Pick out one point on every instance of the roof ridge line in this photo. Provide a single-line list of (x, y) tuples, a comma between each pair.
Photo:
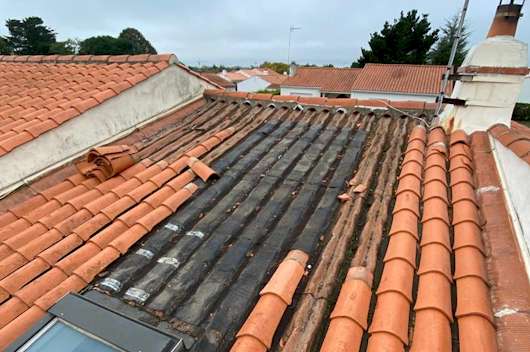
[(326, 102), (398, 64), (91, 59)]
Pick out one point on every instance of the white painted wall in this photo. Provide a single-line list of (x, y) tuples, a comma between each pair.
[(515, 173), (305, 92), (393, 96), (524, 97), (112, 119), (252, 84), (490, 98)]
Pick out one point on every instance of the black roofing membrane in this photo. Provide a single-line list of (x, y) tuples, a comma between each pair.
[(200, 271)]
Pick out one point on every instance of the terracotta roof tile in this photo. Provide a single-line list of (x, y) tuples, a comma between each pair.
[(65, 79), (417, 79), (78, 230), (389, 328), (473, 311), (258, 330), (328, 79), (326, 102), (508, 279), (348, 320), (436, 230)]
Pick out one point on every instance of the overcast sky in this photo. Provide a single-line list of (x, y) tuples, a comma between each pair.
[(247, 32)]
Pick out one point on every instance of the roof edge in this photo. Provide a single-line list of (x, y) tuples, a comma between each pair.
[(90, 59), (328, 102)]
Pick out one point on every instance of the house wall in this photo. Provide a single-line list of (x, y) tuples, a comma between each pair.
[(524, 97), (113, 119), (252, 84), (306, 92), (393, 96)]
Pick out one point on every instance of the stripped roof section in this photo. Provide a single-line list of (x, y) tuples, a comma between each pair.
[(400, 78), (59, 240), (328, 79)]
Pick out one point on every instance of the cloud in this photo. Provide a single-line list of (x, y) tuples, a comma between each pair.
[(247, 32)]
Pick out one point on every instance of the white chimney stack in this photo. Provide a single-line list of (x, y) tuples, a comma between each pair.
[(492, 76)]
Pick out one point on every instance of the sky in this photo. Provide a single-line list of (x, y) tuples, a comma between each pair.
[(231, 32)]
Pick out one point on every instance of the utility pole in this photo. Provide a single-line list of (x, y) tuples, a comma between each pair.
[(291, 30)]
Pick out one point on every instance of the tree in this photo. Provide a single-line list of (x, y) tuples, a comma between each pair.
[(105, 45), (4, 47), (29, 36), (439, 55), (140, 45), (279, 67), (407, 40)]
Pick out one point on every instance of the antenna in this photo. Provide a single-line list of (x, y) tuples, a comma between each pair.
[(458, 36), (291, 30)]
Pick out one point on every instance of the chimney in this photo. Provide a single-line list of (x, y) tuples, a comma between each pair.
[(505, 20), (292, 69), (490, 78)]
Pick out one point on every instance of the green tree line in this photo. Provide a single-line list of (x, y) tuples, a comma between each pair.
[(30, 36), (410, 39)]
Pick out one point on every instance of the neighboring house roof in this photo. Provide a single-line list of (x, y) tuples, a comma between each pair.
[(275, 79), (328, 79), (145, 229), (40, 94), (241, 75), (215, 77), (400, 78)]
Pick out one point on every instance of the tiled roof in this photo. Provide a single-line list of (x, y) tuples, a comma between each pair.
[(274, 79), (516, 138), (214, 77), (328, 79), (327, 102), (400, 78), (60, 239), (241, 75), (39, 93), (253, 260)]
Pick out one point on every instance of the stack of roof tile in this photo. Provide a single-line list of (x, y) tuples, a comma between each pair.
[(105, 162)]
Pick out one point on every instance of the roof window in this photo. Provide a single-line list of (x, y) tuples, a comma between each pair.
[(78, 324)]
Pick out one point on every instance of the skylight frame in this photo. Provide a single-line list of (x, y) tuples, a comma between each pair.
[(102, 324)]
